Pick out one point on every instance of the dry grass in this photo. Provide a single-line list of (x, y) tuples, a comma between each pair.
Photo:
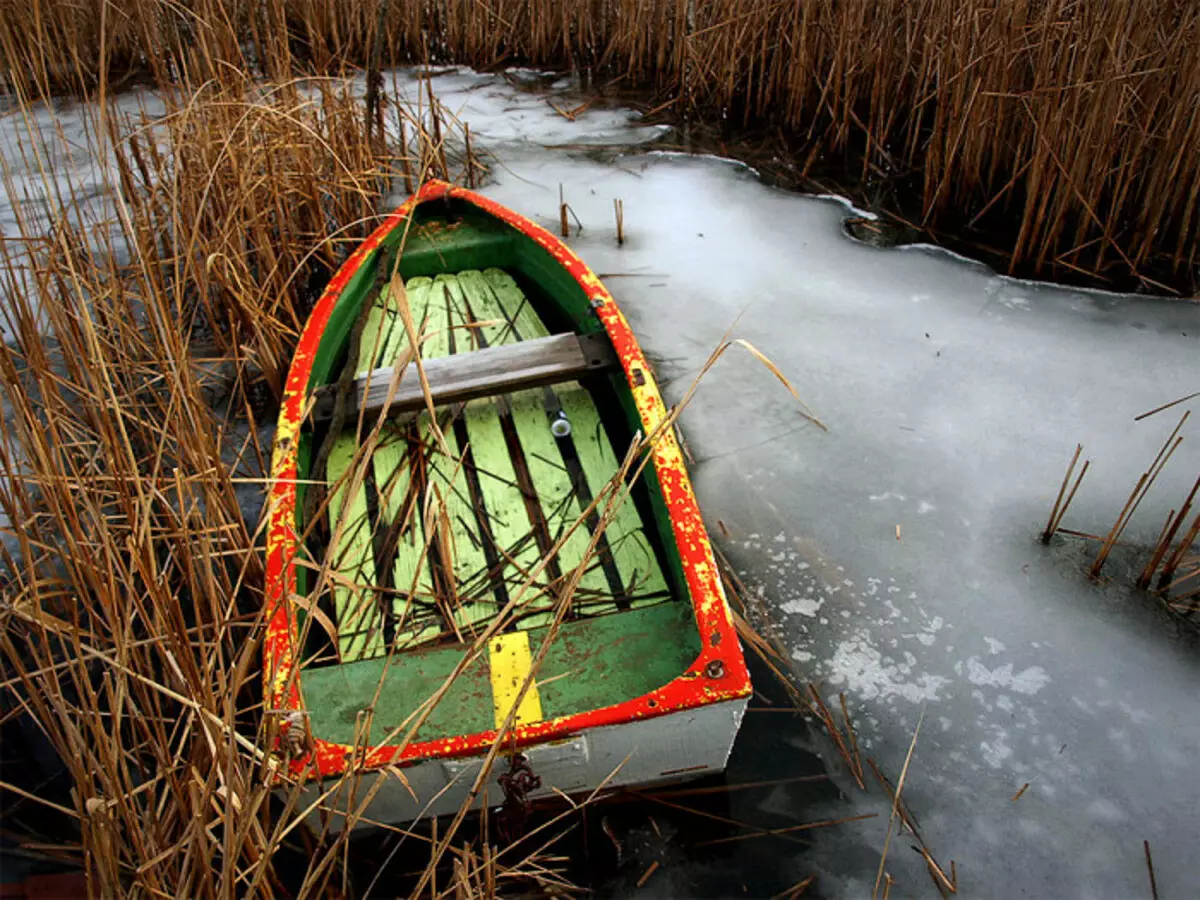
[(1171, 567), (1068, 126), (131, 576)]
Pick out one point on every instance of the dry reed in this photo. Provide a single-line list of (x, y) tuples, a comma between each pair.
[(1171, 564), (132, 616), (1069, 123), (131, 619)]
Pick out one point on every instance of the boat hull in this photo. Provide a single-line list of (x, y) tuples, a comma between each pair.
[(676, 747), (684, 722)]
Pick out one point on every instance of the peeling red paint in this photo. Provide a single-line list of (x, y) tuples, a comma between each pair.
[(693, 689)]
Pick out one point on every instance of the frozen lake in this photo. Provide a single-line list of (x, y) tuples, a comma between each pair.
[(954, 399), (896, 554)]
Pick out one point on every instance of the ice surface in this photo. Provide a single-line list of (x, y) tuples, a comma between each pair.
[(954, 398)]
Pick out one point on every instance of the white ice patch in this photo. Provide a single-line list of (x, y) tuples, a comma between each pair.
[(994, 646), (864, 670), (803, 606), (1027, 681), (995, 751)]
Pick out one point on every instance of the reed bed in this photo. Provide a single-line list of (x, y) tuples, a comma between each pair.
[(149, 315), (1171, 567), (1060, 134), (131, 570)]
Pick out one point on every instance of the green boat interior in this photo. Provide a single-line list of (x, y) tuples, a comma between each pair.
[(430, 532)]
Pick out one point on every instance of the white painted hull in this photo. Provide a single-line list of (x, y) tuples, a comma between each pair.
[(675, 747)]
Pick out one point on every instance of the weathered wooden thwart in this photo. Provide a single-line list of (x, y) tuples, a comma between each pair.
[(453, 428)]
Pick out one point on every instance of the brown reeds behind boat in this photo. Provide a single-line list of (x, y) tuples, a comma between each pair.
[(132, 574), (131, 577), (1071, 123)]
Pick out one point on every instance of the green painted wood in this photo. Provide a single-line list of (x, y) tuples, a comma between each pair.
[(524, 322), (359, 622), (393, 475), (411, 577), (418, 291), (556, 497), (641, 575), (335, 695), (501, 301), (507, 515), (473, 600), (461, 313), (593, 663), (359, 618)]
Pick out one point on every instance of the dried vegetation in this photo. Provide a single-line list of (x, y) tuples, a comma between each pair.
[(1066, 131), (145, 342), (1171, 568)]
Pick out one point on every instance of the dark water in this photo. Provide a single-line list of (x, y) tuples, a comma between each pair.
[(680, 841)]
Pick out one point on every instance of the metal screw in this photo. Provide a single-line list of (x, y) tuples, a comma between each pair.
[(715, 669)]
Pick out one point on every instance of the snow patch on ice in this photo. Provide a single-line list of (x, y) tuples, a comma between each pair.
[(860, 666), (1027, 681), (802, 606)]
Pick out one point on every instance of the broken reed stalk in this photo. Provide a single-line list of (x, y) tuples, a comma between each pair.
[(847, 743), (1150, 870), (619, 211), (943, 883), (895, 805), (1174, 523), (1159, 409), (1054, 517), (946, 885), (798, 889), (470, 156), (1166, 579), (906, 818), (564, 225), (1139, 492), (1071, 496)]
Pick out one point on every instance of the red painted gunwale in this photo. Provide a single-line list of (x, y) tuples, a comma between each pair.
[(694, 688)]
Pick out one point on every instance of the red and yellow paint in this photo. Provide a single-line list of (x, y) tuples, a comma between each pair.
[(718, 673)]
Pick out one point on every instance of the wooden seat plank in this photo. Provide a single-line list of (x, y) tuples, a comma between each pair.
[(550, 477), (411, 578), (360, 624), (470, 375), (508, 520)]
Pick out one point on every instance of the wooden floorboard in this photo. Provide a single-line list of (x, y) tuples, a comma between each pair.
[(360, 624), (457, 314), (400, 502), (631, 550), (501, 300)]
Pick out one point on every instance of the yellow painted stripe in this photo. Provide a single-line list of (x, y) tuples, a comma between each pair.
[(510, 661)]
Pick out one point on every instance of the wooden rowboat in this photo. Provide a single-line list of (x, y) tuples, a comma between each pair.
[(394, 546)]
